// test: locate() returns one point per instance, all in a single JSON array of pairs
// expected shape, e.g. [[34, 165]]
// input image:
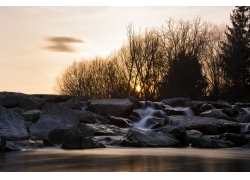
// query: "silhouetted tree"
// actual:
[[235, 52]]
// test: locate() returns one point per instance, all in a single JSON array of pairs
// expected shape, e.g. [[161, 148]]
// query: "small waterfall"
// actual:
[[247, 110], [186, 110]]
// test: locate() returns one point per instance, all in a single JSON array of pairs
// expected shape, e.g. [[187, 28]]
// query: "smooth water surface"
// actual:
[[127, 160]]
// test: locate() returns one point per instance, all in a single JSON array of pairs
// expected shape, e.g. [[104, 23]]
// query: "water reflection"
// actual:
[[127, 160]]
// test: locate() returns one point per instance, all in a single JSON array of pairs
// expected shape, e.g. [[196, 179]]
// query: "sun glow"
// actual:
[[138, 88]]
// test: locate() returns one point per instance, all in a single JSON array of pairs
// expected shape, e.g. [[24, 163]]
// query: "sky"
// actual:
[[38, 42]]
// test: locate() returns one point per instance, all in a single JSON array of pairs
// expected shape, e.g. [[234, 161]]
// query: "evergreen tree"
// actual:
[[235, 52]]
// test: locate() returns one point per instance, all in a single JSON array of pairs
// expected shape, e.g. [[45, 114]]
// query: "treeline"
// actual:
[[194, 59]]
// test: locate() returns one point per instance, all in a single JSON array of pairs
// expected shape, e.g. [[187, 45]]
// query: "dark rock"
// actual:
[[107, 140], [17, 110], [220, 104], [204, 142], [72, 103], [237, 139], [73, 140], [87, 116], [177, 102], [33, 102], [207, 107], [48, 143], [216, 113], [112, 107], [119, 121], [152, 105], [140, 138], [177, 131], [28, 125], [101, 130], [173, 112], [32, 115], [54, 116], [206, 125], [51, 98], [247, 146], [12, 101], [12, 125], [3, 144], [133, 118], [157, 125], [24, 144], [244, 127], [56, 135], [136, 102], [243, 118], [243, 104], [191, 134]]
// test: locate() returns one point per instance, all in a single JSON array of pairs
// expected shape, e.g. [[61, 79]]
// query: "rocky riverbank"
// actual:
[[75, 122]]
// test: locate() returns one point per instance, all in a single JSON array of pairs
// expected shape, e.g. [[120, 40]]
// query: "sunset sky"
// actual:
[[38, 42]]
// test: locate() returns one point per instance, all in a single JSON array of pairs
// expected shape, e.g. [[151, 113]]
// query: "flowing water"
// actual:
[[127, 160]]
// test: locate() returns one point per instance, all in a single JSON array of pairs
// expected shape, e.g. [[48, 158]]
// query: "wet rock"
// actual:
[[152, 105], [207, 107], [56, 135], [86, 116], [204, 142], [72, 103], [17, 110], [191, 134], [242, 104], [107, 140], [54, 116], [133, 118], [32, 115], [12, 101], [220, 104], [152, 121], [32, 102], [12, 125], [206, 125], [177, 102], [243, 118], [139, 138], [216, 113], [237, 139], [177, 131], [51, 98], [100, 130], [24, 144], [112, 107], [119, 121], [48, 143], [136, 102], [173, 112], [73, 140]]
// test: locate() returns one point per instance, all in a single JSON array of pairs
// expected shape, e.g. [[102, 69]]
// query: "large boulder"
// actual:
[[32, 102], [177, 102], [191, 134], [119, 121], [206, 125], [220, 104], [101, 130], [112, 107], [140, 138], [86, 116], [205, 142], [72, 103], [237, 139], [54, 116], [73, 140], [12, 100], [216, 113], [23, 144], [32, 115], [12, 125], [56, 135]]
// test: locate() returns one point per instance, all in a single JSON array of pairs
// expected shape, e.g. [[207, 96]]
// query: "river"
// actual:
[[127, 160]]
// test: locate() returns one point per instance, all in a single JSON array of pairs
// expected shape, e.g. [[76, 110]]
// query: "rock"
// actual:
[[107, 140], [243, 118], [207, 107], [51, 98], [48, 143], [73, 140], [150, 122], [24, 144], [12, 101], [180, 111], [17, 110], [220, 104], [237, 139], [112, 107], [216, 113], [140, 138], [247, 146], [242, 104], [136, 102], [177, 131], [32, 115], [191, 134], [86, 116], [204, 142], [33, 102], [101, 130], [53, 116], [152, 105], [56, 135], [206, 125], [72, 103], [177, 102], [133, 118], [12, 125], [119, 121], [28, 125]]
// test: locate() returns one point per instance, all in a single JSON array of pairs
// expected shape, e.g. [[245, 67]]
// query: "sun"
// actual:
[[138, 88]]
